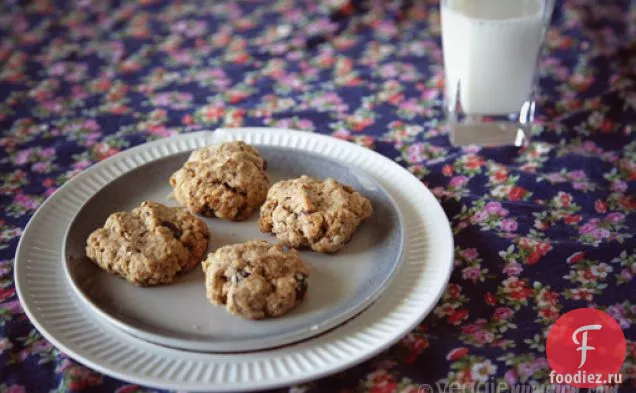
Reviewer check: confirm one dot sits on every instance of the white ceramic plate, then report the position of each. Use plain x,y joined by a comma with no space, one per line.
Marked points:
180,316
72,326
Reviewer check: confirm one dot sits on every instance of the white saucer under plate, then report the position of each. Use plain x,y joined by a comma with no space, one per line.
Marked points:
78,330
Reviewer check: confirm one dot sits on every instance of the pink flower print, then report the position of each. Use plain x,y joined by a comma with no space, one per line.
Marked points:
493,207
600,233
389,71
479,216
555,177
162,99
471,273
57,69
503,313
469,254
615,218
13,307
52,106
483,337
23,156
512,269
577,175
458,181
618,313
25,201
82,164
305,124
90,124
511,377
342,134
525,369
481,322
508,225
579,185
416,152
619,186
40,167
48,152
541,363
411,105
183,57
626,275
589,227
430,94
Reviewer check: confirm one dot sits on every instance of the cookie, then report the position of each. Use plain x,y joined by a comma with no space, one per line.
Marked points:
226,181
255,279
305,212
150,245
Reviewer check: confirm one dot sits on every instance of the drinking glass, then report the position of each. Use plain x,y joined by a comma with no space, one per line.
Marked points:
491,51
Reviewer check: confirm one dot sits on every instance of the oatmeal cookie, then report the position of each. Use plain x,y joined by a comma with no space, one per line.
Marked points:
255,279
149,245
305,212
226,181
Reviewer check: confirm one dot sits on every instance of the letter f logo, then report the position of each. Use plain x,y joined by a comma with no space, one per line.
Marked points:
584,347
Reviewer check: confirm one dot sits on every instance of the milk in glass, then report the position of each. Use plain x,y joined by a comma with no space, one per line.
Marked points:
490,53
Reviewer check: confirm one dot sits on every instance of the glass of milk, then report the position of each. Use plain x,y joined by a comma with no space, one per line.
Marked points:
491,50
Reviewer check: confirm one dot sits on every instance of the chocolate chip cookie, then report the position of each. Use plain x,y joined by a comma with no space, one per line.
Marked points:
150,245
255,279
226,181
306,212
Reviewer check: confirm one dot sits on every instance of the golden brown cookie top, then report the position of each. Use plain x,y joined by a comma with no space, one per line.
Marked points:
256,279
226,181
150,244
321,214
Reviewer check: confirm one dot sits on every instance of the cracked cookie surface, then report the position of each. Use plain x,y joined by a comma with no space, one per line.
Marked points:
226,181
255,279
306,212
149,245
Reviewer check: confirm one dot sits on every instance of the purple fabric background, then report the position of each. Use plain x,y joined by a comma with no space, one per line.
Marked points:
538,233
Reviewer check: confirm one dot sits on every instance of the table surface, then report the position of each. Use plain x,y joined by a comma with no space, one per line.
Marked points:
538,232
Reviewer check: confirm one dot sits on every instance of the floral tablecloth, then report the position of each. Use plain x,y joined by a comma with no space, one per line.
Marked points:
538,232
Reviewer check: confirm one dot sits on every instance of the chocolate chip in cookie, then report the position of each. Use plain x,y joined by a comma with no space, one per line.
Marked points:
226,181
149,245
321,215
255,279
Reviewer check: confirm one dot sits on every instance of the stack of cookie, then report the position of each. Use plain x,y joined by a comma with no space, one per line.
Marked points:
154,243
